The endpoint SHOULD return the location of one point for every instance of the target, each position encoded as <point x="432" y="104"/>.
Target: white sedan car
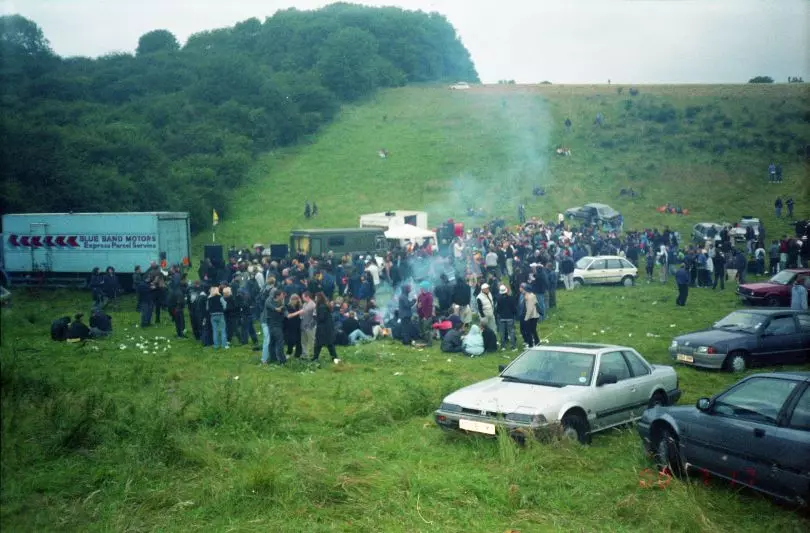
<point x="460" y="86"/>
<point x="604" y="269"/>
<point x="578" y="388"/>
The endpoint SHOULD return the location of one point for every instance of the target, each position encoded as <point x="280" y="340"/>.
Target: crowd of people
<point x="470" y="296"/>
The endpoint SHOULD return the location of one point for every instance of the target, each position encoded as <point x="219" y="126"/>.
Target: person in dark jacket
<point x="110" y="288"/>
<point x="145" y="297"/>
<point x="96" y="286"/>
<point x="78" y="330"/>
<point x="292" y="327"/>
<point x="741" y="264"/>
<point x="231" y="315"/>
<point x="215" y="308"/>
<point x="506" y="310"/>
<point x="682" y="280"/>
<point x="100" y="323"/>
<point x="176" y="302"/>
<point x="245" y="303"/>
<point x="324" y="329"/>
<point x="405" y="312"/>
<point x="444" y="296"/>
<point x="274" y="313"/>
<point x="719" y="270"/>
<point x="451" y="342"/>
<point x="490" y="340"/>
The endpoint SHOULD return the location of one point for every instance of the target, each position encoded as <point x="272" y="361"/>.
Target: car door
<point x="613" y="401"/>
<point x="640" y="383"/>
<point x="791" y="475"/>
<point x="737" y="438"/>
<point x="614" y="270"/>
<point x="597" y="271"/>
<point x="803" y="321"/>
<point x="780" y="341"/>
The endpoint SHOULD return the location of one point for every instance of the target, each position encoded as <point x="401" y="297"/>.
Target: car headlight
<point x="450" y="407"/>
<point x="525" y="418"/>
<point x="705" y="350"/>
<point x="674" y="344"/>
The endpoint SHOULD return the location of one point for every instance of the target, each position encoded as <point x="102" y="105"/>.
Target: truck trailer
<point x="61" y="249"/>
<point x="341" y="241"/>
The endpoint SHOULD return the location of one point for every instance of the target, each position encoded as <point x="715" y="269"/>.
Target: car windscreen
<point x="583" y="263"/>
<point x="739" y="321"/>
<point x="551" y="367"/>
<point x="784" y="278"/>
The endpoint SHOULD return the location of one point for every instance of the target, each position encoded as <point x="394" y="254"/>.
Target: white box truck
<point x="387" y="219"/>
<point x="60" y="249"/>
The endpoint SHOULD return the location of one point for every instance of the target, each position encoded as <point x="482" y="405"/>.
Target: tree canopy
<point x="174" y="128"/>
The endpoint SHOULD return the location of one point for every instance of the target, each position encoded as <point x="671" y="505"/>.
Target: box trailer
<point x="317" y="242"/>
<point x="388" y="219"/>
<point x="63" y="248"/>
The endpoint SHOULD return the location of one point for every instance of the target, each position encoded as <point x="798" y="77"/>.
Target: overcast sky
<point x="564" y="41"/>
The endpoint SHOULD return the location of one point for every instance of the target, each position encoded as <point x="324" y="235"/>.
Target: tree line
<point x="176" y="127"/>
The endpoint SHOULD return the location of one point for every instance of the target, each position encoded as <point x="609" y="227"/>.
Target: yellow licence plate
<point x="478" y="427"/>
<point x="685" y="358"/>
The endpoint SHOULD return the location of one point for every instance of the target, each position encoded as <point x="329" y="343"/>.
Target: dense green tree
<point x="157" y="41"/>
<point x="761" y="79"/>
<point x="175" y="128"/>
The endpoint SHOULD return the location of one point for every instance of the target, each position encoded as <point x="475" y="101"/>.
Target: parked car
<point x="738" y="231"/>
<point x="460" y="86"/>
<point x="604" y="269"/>
<point x="708" y="231"/>
<point x="776" y="291"/>
<point x="755" y="434"/>
<point x="593" y="213"/>
<point x="578" y="388"/>
<point x="745" y="338"/>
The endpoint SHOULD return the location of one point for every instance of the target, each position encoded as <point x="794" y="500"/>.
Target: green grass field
<point x="111" y="436"/>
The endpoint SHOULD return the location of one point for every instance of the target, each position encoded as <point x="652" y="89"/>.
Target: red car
<point x="776" y="291"/>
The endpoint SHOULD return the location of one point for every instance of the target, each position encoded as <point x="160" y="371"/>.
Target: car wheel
<point x="736" y="362"/>
<point x="772" y="301"/>
<point x="575" y="427"/>
<point x="577" y="282"/>
<point x="628" y="281"/>
<point x="659" y="398"/>
<point x="666" y="452"/>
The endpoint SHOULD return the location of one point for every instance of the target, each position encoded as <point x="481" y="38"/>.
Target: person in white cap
<point x="506" y="309"/>
<point x="486" y="306"/>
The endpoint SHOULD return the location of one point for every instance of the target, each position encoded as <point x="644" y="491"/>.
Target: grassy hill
<point x="142" y="433"/>
<point x="706" y="148"/>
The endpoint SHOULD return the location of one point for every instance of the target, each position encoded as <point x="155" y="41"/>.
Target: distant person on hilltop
<point x="778" y="171"/>
<point x="314" y="209"/>
<point x="772" y="173"/>
<point x="777" y="206"/>
<point x="789" y="205"/>
<point x="567" y="124"/>
<point x="307" y="210"/>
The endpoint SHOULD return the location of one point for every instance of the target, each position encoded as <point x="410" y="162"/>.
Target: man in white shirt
<point x="374" y="270"/>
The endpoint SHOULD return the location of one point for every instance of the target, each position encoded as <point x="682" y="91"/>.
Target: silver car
<point x="576" y="388"/>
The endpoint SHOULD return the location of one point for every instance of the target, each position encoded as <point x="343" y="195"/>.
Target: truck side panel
<point x="73" y="243"/>
<point x="173" y="239"/>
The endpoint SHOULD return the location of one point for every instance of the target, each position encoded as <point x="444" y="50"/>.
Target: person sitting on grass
<point x="451" y="342"/>
<point x="78" y="330"/>
<point x="100" y="323"/>
<point x="473" y="342"/>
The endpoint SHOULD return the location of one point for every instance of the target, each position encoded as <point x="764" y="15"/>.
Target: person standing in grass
<point x="308" y="325"/>
<point x="528" y="316"/>
<point x="777" y="205"/>
<point x="216" y="311"/>
<point x="274" y="314"/>
<point x="719" y="264"/>
<point x="506" y="311"/>
<point x="789" y="205"/>
<point x="682" y="280"/>
<point x="663" y="263"/>
<point x="325" y="328"/>
<point x="772" y="173"/>
<point x="798" y="296"/>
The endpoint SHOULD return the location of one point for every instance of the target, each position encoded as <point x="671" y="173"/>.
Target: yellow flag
<point x="216" y="217"/>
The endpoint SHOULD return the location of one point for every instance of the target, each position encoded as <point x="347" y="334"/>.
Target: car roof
<point x="593" y="204"/>
<point x="769" y="312"/>
<point x="590" y="347"/>
<point x="602" y="257"/>
<point x="802" y="375"/>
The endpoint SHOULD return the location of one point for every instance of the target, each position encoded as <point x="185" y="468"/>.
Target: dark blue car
<point x="754" y="434"/>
